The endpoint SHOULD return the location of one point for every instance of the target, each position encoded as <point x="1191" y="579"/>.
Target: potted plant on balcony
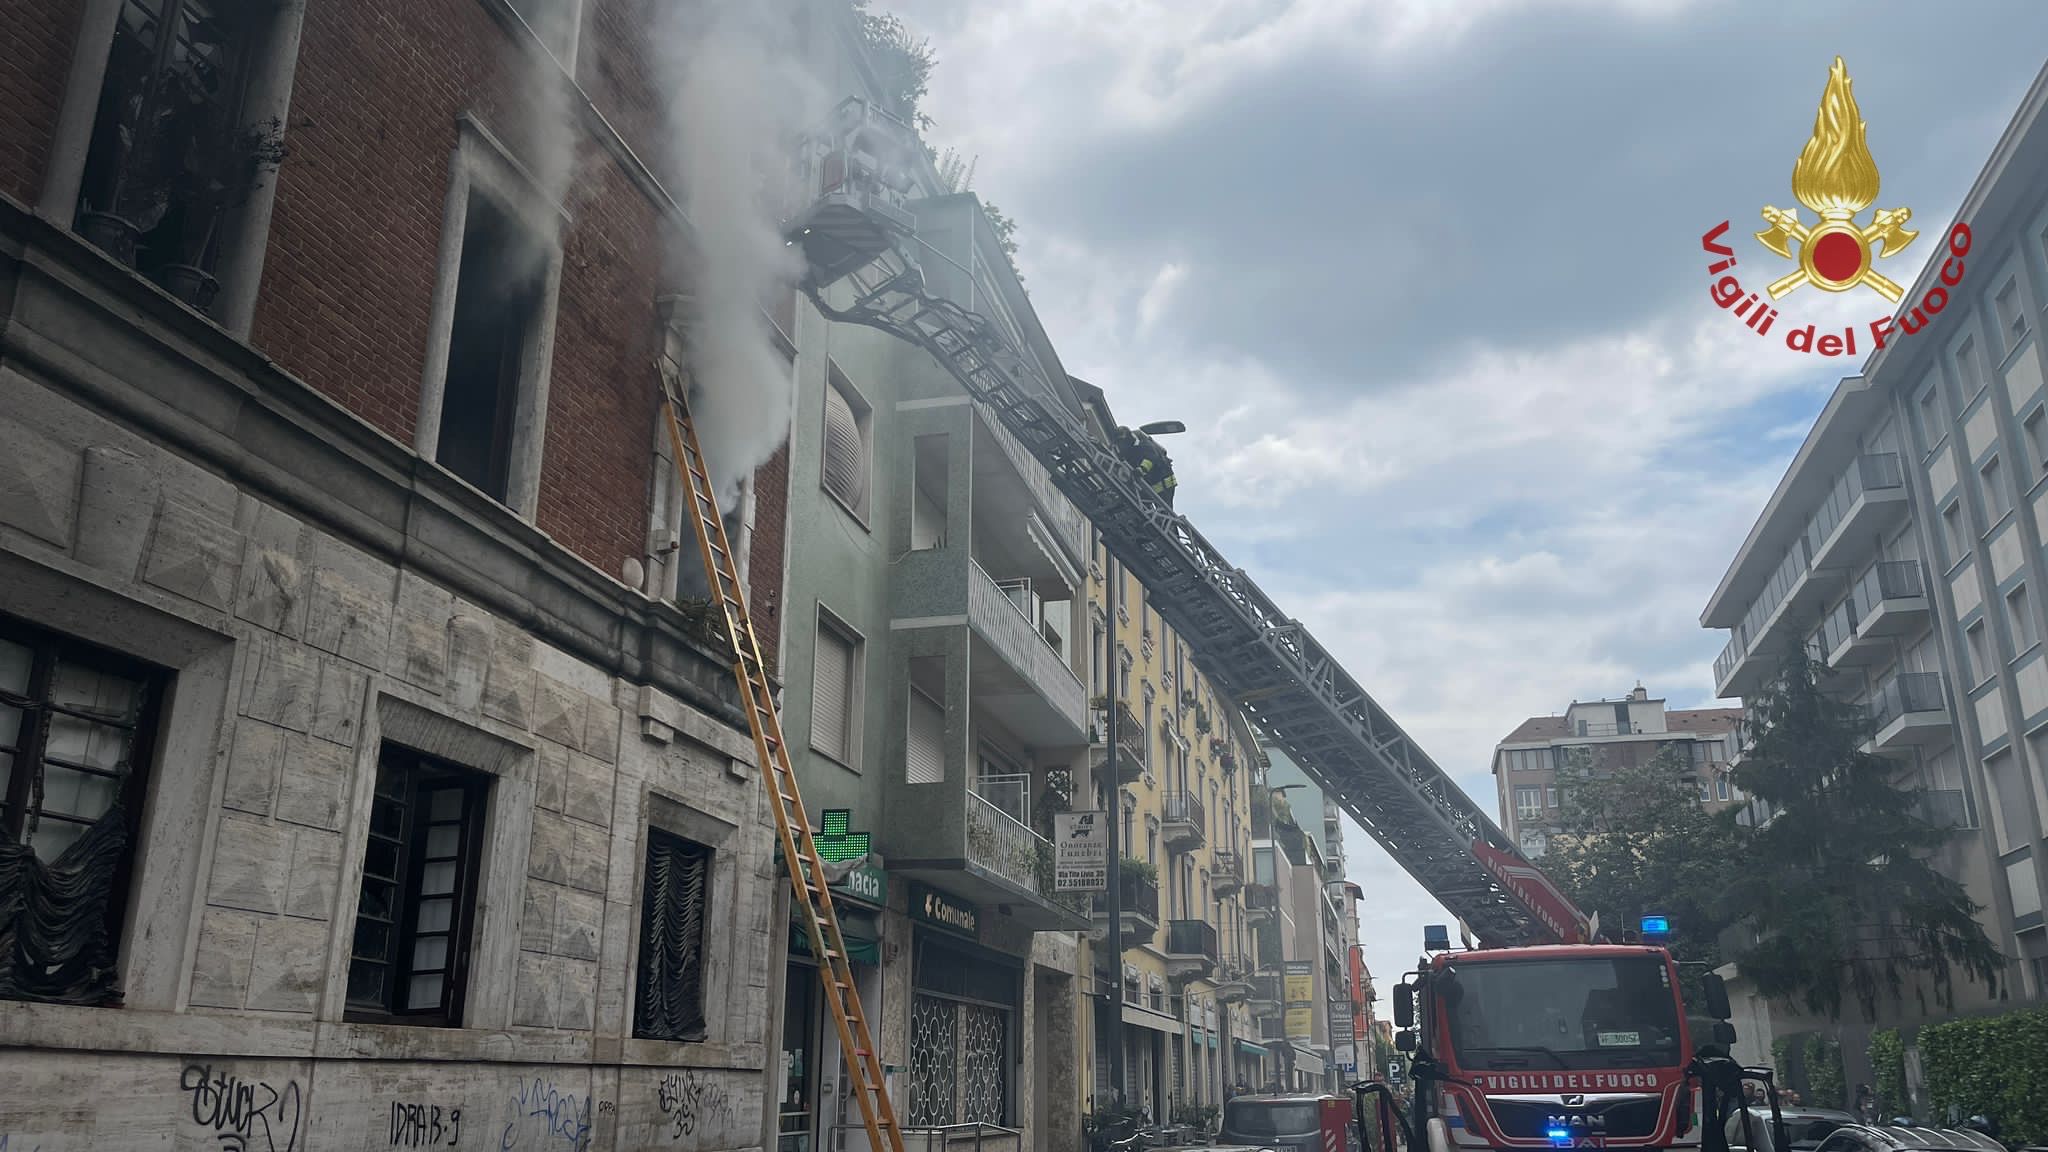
<point x="124" y="193"/>
<point x="1187" y="699"/>
<point x="221" y="166"/>
<point x="1141" y="869"/>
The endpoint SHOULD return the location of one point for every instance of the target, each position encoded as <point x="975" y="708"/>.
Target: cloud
<point x="1424" y="280"/>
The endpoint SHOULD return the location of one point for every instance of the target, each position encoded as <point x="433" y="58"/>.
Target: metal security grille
<point x="671" y="1003"/>
<point x="934" y="1061"/>
<point x="981" y="1075"/>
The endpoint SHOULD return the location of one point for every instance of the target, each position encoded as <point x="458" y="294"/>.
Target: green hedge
<point x="1996" y="1065"/>
<point x="1824" y="1076"/>
<point x="1888" y="1069"/>
<point x="1781" y="1060"/>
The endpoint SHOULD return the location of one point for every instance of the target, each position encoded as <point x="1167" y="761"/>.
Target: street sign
<point x="1080" y="852"/>
<point x="1393" y="1071"/>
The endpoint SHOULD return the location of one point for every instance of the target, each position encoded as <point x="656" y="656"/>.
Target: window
<point x="848" y="445"/>
<point x="2012" y="816"/>
<point x="2012" y="315"/>
<point x="930" y="468"/>
<point x="1720" y="787"/>
<point x="75" y="729"/>
<point x="1981" y="663"/>
<point x="2036" y="431"/>
<point x="1528" y="803"/>
<point x="1952" y="531"/>
<point x="2019" y="616"/>
<point x="1967" y="373"/>
<point x="674" y="907"/>
<point x="418" y="897"/>
<point x="925" y="745"/>
<point x="499" y="291"/>
<point x="835" y="692"/>
<point x="1706" y="790"/>
<point x="1996" y="502"/>
<point x="1933" y="420"/>
<point x="1550" y="796"/>
<point x="169" y="159"/>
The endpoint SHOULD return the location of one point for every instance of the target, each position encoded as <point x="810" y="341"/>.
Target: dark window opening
<point x="75" y="729"/>
<point x="170" y="158"/>
<point x="498" y="291"/>
<point x="410" y="958"/>
<point x="674" y="905"/>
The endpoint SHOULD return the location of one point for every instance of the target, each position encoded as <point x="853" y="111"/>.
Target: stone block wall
<point x="301" y="634"/>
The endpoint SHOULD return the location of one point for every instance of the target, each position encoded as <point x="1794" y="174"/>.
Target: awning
<point x="859" y="949"/>
<point x="1156" y="1021"/>
<point x="1212" y="1039"/>
<point x="1247" y="1048"/>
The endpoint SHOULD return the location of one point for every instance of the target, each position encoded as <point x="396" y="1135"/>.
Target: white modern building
<point x="1904" y="546"/>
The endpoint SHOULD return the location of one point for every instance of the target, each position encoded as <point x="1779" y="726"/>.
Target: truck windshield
<point x="1578" y="1012"/>
<point x="1261" y="1119"/>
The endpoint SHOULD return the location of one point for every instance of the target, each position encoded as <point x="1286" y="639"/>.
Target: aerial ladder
<point x="858" y="237"/>
<point x="808" y="878"/>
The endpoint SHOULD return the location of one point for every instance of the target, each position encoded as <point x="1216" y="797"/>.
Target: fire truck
<point x="1582" y="1043"/>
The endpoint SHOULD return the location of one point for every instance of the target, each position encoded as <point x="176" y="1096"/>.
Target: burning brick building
<point x="363" y="782"/>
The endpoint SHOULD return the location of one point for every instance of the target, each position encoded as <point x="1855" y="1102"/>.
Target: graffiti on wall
<point x="244" y="1115"/>
<point x="424" y="1125"/>
<point x="545" y="1117"/>
<point x="695" y="1102"/>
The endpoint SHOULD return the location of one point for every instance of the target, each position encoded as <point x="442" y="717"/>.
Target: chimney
<point x="1641" y="693"/>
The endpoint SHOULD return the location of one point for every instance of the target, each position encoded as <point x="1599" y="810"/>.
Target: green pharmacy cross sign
<point x="836" y="844"/>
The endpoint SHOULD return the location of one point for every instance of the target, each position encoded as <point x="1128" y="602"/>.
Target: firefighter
<point x="1144" y="454"/>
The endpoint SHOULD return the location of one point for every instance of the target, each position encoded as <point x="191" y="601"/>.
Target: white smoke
<point x="738" y="95"/>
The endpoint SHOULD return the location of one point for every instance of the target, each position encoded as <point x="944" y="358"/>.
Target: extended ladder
<point x="807" y="876"/>
<point x="855" y="236"/>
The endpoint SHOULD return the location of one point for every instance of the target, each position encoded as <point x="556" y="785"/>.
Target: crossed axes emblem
<point x="1887" y="232"/>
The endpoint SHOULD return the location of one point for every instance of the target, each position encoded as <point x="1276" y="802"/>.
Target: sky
<point x="1424" y="279"/>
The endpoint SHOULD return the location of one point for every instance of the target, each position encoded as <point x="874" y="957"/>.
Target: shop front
<point x="811" y="1103"/>
<point x="966" y="1016"/>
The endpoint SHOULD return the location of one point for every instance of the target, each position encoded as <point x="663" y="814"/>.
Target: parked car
<point x="1893" y="1138"/>
<point x="1289" y="1123"/>
<point x="1806" y="1127"/>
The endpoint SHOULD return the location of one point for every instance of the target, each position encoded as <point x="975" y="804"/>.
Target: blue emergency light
<point x="1436" y="938"/>
<point x="1560" y="1136"/>
<point x="1656" y="925"/>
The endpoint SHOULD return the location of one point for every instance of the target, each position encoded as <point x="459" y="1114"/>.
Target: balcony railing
<point x="1736" y="648"/>
<point x="1946" y="808"/>
<point x="1840" y="626"/>
<point x="1266" y="987"/>
<point x="1226" y="875"/>
<point x="1183" y="821"/>
<point x="1874" y="472"/>
<point x="1906" y="693"/>
<point x="1790" y="571"/>
<point x="1012" y="633"/>
<point x="1606" y="728"/>
<point x="1002" y="844"/>
<point x="1009" y="792"/>
<point x="1191" y="938"/>
<point x="1136" y="895"/>
<point x="1292" y="841"/>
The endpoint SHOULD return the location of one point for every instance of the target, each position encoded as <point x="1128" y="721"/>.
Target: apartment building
<point x="364" y="788"/>
<point x="1903" y="547"/>
<point x="1310" y="941"/>
<point x="1603" y="736"/>
<point x="1184" y="775"/>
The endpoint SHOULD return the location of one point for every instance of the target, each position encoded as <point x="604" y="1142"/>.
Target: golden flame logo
<point x="1836" y="178"/>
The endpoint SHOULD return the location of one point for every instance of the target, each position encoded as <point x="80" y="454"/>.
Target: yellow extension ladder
<point x="792" y="824"/>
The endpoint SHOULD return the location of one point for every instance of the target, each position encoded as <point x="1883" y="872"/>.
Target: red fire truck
<point x="1570" y="1045"/>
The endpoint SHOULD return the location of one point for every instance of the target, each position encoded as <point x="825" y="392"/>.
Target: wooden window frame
<point x="46" y="650"/>
<point x="422" y="773"/>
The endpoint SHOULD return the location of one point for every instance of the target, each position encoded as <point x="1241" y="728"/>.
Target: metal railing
<point x="1840" y="626"/>
<point x="1010" y="792"/>
<point x="1790" y="571"/>
<point x="1873" y="472"/>
<point x="1185" y="808"/>
<point x="1191" y="938"/>
<point x="935" y="1138"/>
<point x="1736" y="648"/>
<point x="1887" y="580"/>
<point x="1605" y="728"/>
<point x="1001" y="843"/>
<point x="1906" y="693"/>
<point x="1137" y="895"/>
<point x="1226" y="874"/>
<point x="1266" y="987"/>
<point x="1946" y="808"/>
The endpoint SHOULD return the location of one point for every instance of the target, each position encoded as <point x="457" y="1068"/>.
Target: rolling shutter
<point x="832" y="695"/>
<point x="925" y="755"/>
<point x="846" y="465"/>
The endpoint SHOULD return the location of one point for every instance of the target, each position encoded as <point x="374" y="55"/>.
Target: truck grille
<point x="1625" y="1119"/>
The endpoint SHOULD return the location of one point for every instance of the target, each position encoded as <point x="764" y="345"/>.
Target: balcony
<point x="1291" y="841"/>
<point x="978" y="847"/>
<point x="1866" y="500"/>
<point x="1260" y="902"/>
<point x="1014" y="671"/>
<point x="1266" y="994"/>
<point x="1184" y="824"/>
<point x="1130" y="740"/>
<point x="1140" y="908"/>
<point x="1190" y="948"/>
<point x="1889" y="600"/>
<point x="1226" y="876"/>
<point x="1233" y="978"/>
<point x="1910" y="710"/>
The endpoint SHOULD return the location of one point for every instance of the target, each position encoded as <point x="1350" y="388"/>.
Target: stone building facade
<point x="358" y="793"/>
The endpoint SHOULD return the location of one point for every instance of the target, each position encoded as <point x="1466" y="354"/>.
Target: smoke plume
<point x="551" y="131"/>
<point x="739" y="95"/>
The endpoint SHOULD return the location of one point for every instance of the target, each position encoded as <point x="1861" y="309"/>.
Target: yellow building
<point x="1185" y="793"/>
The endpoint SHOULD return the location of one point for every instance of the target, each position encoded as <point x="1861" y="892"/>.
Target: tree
<point x="1636" y="841"/>
<point x="902" y="62"/>
<point x="1836" y="882"/>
